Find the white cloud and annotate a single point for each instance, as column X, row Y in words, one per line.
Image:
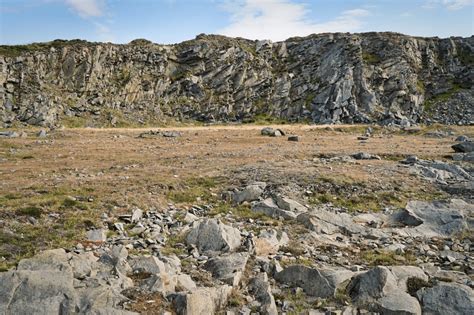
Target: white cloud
column 281, row 19
column 457, row 4
column 448, row 4
column 87, row 8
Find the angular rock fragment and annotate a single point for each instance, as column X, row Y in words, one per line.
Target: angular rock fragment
column 227, row 268
column 315, row 282
column 213, row 235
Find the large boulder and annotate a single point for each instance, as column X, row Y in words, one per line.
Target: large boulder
column 464, row 147
column 261, row 290
column 249, row 193
column 371, row 285
column 438, row 218
column 269, row 241
column 201, row 301
column 227, row 268
column 213, row 235
column 315, row 282
column 26, row 292
column 447, row 298
column 378, row 290
column 270, row 208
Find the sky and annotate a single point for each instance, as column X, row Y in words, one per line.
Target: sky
column 172, row 21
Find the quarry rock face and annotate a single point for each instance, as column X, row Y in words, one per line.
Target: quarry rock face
column 325, row 78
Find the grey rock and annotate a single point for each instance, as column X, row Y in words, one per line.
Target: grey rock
column 249, row 193
column 463, row 147
column 227, row 268
column 212, row 235
column 261, row 290
column 372, row 285
column 461, row 138
column 26, row 292
column 9, row 134
column 439, row 218
column 447, row 298
column 271, row 209
column 397, row 303
column 96, row 235
column 269, row 241
column 365, row 156
column 403, row 273
column 201, row 300
column 288, row 204
column 42, row 134
column 315, row 282
column 293, row 138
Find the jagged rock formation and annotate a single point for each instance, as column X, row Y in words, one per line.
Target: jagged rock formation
column 324, row 78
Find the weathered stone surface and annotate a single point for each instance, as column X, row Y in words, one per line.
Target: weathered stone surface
column 403, row 273
column 212, row 235
column 439, row 218
column 447, row 298
column 399, row 303
column 271, row 209
column 97, row 235
column 26, row 292
column 227, row 268
column 269, row 241
column 249, row 193
column 325, row 78
column 372, row 285
column 201, row 300
column 288, row 204
column 261, row 289
column 319, row 283
column 464, row 147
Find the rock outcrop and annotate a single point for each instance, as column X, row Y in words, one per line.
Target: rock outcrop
column 325, row 78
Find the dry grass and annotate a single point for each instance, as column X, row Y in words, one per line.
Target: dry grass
column 111, row 171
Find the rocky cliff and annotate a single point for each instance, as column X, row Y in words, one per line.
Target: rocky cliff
column 324, row 78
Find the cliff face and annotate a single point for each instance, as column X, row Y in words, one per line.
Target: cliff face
column 326, row 78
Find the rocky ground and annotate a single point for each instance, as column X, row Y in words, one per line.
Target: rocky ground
column 238, row 220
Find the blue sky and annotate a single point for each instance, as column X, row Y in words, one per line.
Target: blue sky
column 171, row 21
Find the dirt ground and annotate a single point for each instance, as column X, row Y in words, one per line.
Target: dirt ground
column 53, row 188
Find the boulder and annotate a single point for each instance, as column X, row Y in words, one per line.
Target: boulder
column 439, row 218
column 261, row 290
column 463, row 147
column 271, row 209
column 269, row 241
column 96, row 235
column 249, row 193
column 403, row 273
column 288, row 204
column 213, row 235
column 372, row 285
column 365, row 156
column 26, row 292
column 315, row 282
column 400, row 303
column 461, row 138
column 227, row 268
column 201, row 301
column 447, row 298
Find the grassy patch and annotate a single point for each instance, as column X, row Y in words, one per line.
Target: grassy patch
column 386, row 258
column 264, row 119
column 370, row 58
column 17, row 50
column 194, row 190
column 442, row 97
